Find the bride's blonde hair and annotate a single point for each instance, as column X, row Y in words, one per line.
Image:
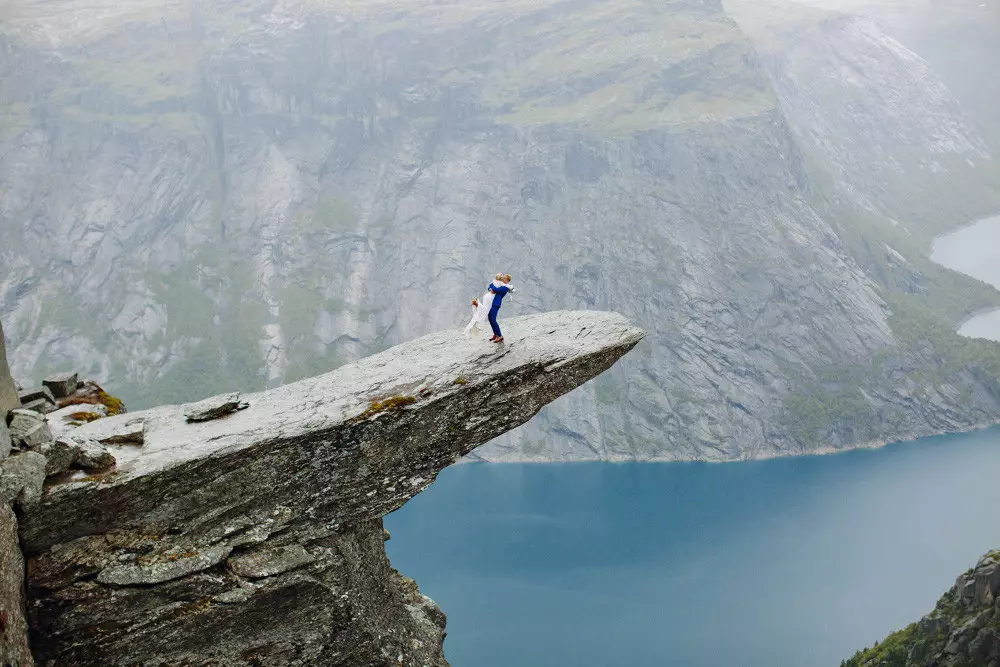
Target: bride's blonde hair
column 499, row 276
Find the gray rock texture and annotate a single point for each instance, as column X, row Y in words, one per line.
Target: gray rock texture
column 61, row 384
column 29, row 428
column 65, row 420
column 8, row 392
column 59, row 454
column 269, row 562
column 90, row 454
column 214, row 407
column 257, row 538
column 129, row 430
column 260, row 191
column 21, row 479
column 14, row 648
column 5, row 442
column 43, row 394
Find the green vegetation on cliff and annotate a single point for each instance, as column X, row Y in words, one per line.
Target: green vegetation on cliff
column 962, row 631
column 891, row 652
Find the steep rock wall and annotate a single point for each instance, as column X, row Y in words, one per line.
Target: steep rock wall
column 8, row 392
column 14, row 648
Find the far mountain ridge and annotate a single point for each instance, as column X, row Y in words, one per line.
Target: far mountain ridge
column 201, row 196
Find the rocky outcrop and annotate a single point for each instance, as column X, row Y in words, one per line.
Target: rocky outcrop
column 255, row 538
column 28, row 428
column 8, row 392
column 62, row 385
column 962, row 631
column 14, row 649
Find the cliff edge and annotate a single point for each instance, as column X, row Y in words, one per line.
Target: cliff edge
column 962, row 631
column 247, row 530
column 8, row 392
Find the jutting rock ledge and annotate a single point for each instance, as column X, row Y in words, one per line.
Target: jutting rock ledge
column 256, row 538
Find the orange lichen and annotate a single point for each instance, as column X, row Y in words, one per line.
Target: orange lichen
column 391, row 403
column 114, row 404
column 94, row 394
column 96, row 477
column 85, row 416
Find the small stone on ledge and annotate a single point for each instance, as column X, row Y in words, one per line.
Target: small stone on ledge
column 214, row 407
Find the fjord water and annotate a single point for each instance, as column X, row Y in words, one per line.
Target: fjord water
column 782, row 563
column 974, row 250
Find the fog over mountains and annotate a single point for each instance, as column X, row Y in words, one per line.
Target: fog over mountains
column 204, row 196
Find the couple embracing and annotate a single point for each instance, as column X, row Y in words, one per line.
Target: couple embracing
column 487, row 307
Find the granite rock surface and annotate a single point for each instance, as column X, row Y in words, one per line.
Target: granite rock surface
column 256, row 537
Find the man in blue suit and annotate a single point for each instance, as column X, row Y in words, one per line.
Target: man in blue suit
column 499, row 292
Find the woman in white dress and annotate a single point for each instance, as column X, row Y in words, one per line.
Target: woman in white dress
column 481, row 307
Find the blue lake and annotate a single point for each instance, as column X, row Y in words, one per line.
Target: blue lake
column 783, row 563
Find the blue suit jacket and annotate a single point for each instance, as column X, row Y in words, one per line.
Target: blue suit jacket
column 499, row 294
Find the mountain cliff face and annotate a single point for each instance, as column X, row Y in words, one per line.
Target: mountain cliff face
column 963, row 630
column 960, row 39
column 8, row 391
column 247, row 530
column 850, row 91
column 216, row 194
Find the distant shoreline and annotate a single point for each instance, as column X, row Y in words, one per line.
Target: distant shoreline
column 820, row 451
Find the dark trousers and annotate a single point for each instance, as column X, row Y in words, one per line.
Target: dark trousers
column 493, row 322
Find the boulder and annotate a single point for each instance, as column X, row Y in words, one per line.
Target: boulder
column 8, row 390
column 214, row 407
column 39, row 405
column 61, row 385
column 29, row 428
column 14, row 648
column 59, row 454
column 260, row 534
column 21, row 479
column 91, row 455
column 36, row 394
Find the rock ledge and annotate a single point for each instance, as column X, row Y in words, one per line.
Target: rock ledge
column 256, row 538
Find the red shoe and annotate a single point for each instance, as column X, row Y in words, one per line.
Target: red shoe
column 493, row 339
column 498, row 340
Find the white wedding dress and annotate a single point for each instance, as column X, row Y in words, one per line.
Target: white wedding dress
column 481, row 313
